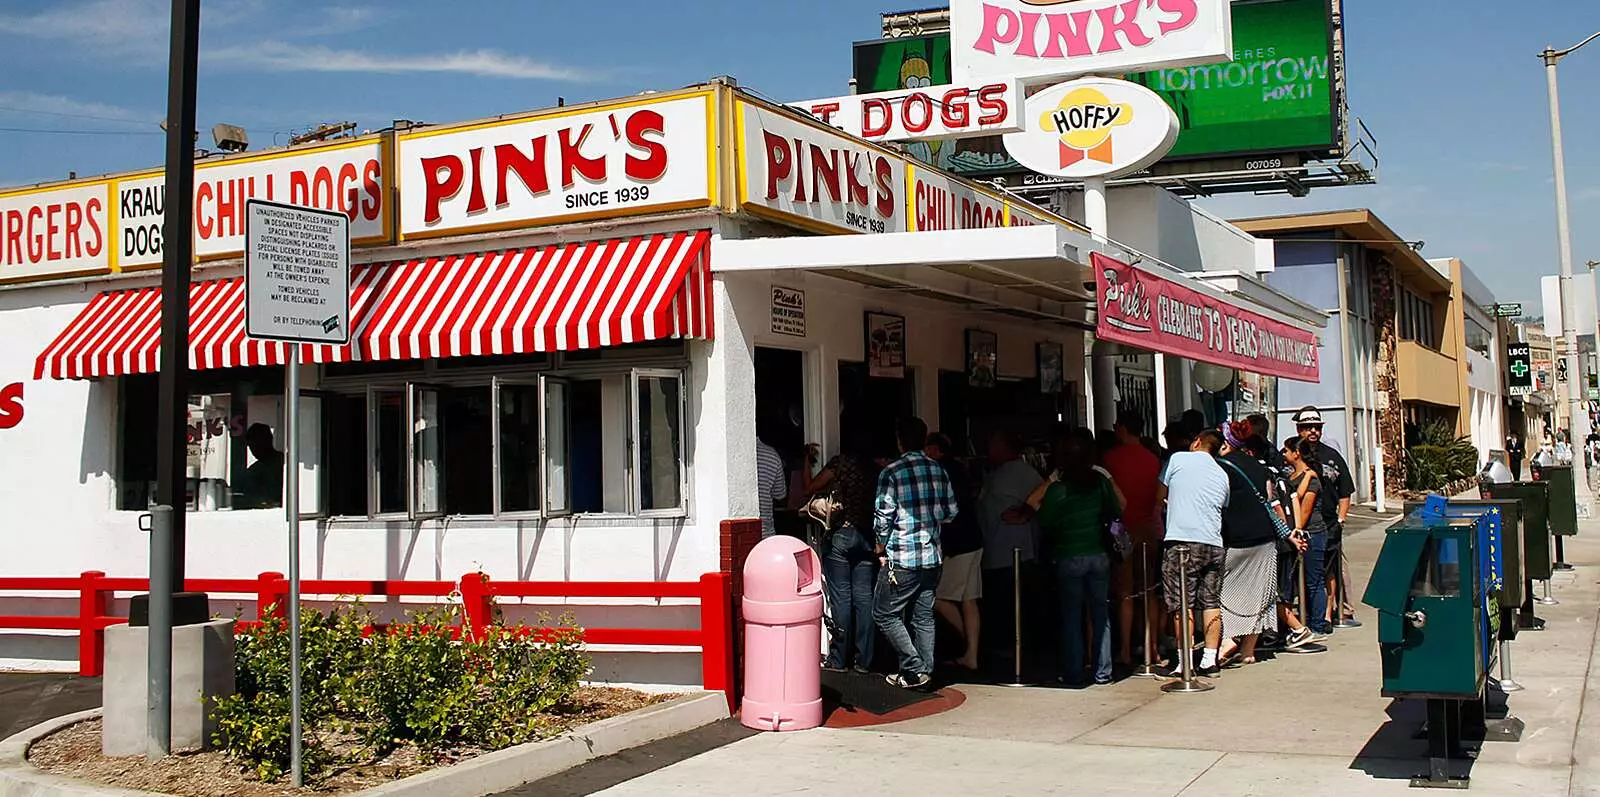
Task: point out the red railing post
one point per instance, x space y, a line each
716 635
477 604
93 603
272 593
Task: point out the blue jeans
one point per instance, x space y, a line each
848 563
900 589
1317 584
1085 579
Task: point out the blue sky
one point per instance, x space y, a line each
1452 89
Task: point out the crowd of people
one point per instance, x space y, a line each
1104 543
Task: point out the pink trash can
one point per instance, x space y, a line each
783 637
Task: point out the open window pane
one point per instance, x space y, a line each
426 453
311 463
558 484
467 414
598 431
390 450
660 441
519 448
347 458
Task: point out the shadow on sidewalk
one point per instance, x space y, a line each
27 699
1398 750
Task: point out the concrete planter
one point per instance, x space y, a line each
485 774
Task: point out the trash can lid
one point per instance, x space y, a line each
782 568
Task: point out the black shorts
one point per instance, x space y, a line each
1200 574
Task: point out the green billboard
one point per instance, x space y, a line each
1275 96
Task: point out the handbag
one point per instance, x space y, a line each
1278 525
1114 535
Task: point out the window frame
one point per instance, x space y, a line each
636 483
496 384
413 392
546 381
374 493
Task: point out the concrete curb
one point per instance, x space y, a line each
486 774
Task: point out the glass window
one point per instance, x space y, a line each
660 436
390 450
519 455
557 452
426 452
234 451
1439 572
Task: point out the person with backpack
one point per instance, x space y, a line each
1252 529
1310 495
1074 507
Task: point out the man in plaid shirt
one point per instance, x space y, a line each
914 499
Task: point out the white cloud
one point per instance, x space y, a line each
32 103
340 20
109 26
279 56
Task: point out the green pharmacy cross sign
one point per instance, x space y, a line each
1519 369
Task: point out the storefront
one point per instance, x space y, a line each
568 328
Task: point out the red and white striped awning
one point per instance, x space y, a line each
555 298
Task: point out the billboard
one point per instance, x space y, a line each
1277 95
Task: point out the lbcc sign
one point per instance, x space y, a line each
1043 39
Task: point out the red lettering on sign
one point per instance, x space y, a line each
886 202
444 177
11 409
780 162
475 201
651 162
530 170
574 162
825 173
372 205
1187 10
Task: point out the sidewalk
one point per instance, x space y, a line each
1307 725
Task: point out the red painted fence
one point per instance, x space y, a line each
714 637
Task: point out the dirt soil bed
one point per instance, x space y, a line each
75 753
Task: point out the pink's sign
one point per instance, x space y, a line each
1156 314
1039 40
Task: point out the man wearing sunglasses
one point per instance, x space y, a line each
1336 475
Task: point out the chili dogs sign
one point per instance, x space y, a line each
940 112
617 160
1094 127
1156 314
1038 40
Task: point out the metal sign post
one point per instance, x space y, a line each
297 291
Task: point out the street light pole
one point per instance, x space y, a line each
1578 430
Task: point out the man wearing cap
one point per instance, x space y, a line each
1336 474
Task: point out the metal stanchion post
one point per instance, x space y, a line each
1187 684
1341 595
1545 599
1016 618
1506 682
1303 608
1148 668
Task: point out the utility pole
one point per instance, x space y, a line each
1578 425
168 519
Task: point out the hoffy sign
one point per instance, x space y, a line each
919 114
1038 40
617 160
1094 127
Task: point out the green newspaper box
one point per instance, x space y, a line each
1437 622
1563 499
1538 556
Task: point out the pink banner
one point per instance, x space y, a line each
1146 311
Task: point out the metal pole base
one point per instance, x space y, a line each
1446 782
1349 622
1146 671
1562 566
1504 730
1508 685
1016 686
1187 687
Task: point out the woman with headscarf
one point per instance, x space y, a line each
1251 531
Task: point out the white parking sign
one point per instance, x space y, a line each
297 274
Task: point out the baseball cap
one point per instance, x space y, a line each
1308 416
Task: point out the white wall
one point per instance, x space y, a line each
1161 224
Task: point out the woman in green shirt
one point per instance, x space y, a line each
1074 505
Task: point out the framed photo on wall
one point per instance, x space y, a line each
1052 370
983 357
886 345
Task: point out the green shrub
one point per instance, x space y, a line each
416 684
1439 459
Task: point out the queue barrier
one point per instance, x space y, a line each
714 637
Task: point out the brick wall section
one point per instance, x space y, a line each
739 538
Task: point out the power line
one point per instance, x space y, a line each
14 109
81 132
